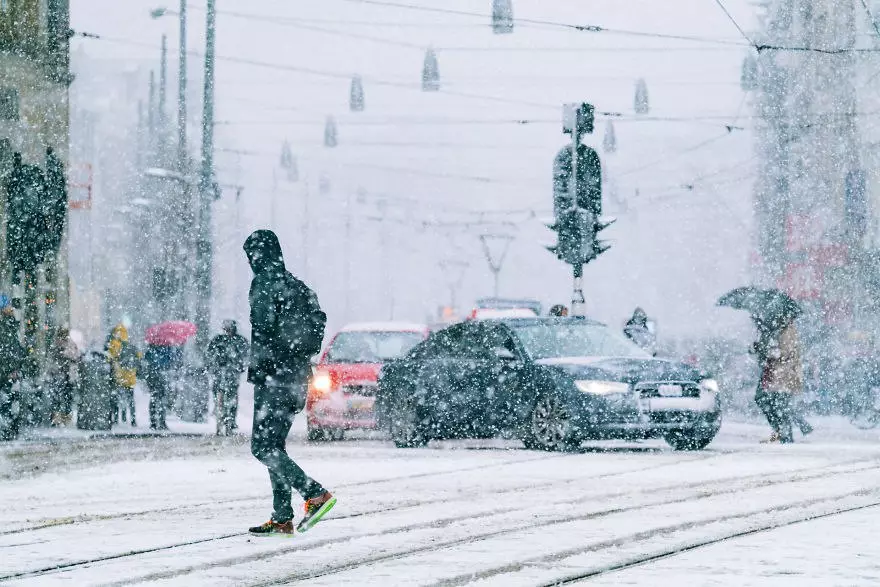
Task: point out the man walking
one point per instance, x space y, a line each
287 329
227 358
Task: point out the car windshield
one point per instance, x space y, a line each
547 340
371 347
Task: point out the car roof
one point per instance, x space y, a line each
548 320
385 327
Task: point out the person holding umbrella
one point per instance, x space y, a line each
164 355
777 351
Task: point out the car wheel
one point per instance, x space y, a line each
549 427
337 434
407 426
689 439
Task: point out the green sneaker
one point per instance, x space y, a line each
316 508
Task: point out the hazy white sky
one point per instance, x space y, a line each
675 249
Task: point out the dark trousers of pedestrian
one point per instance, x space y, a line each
273 417
798 416
158 401
225 388
126 404
776 406
62 400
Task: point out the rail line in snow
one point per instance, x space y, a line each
465 579
70 520
702 490
86 518
400 506
640 561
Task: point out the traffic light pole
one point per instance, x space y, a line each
204 248
578 302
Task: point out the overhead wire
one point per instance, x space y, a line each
548 23
339 75
759 47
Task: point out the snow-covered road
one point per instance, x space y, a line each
458 513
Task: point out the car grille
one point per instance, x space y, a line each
651 389
366 389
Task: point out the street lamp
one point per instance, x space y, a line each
155 14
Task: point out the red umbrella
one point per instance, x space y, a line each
174 333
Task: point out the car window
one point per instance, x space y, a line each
458 341
371 346
498 336
546 340
444 343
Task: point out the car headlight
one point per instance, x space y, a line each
322 383
709 385
602 387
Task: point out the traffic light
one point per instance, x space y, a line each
574 236
589 180
597 247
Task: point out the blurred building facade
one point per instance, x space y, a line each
817 213
34 117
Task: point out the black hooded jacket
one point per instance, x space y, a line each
275 294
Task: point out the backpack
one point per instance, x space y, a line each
301 322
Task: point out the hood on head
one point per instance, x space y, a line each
264 251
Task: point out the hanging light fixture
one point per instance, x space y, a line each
356 99
330 133
748 80
641 104
289 163
502 17
430 72
609 141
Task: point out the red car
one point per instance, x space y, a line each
343 386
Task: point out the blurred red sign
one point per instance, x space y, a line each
802 281
830 256
803 231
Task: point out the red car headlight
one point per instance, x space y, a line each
321 384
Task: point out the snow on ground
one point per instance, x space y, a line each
465 512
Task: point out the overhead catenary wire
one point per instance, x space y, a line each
590 28
340 75
873 20
759 47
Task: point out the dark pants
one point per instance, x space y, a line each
158 384
273 417
225 390
776 406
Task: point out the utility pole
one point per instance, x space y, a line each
578 302
163 82
207 191
346 286
181 94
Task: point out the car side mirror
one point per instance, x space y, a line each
504 354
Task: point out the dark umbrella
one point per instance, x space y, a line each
770 308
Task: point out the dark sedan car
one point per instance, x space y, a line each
553 382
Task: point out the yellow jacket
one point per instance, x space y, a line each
118 343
